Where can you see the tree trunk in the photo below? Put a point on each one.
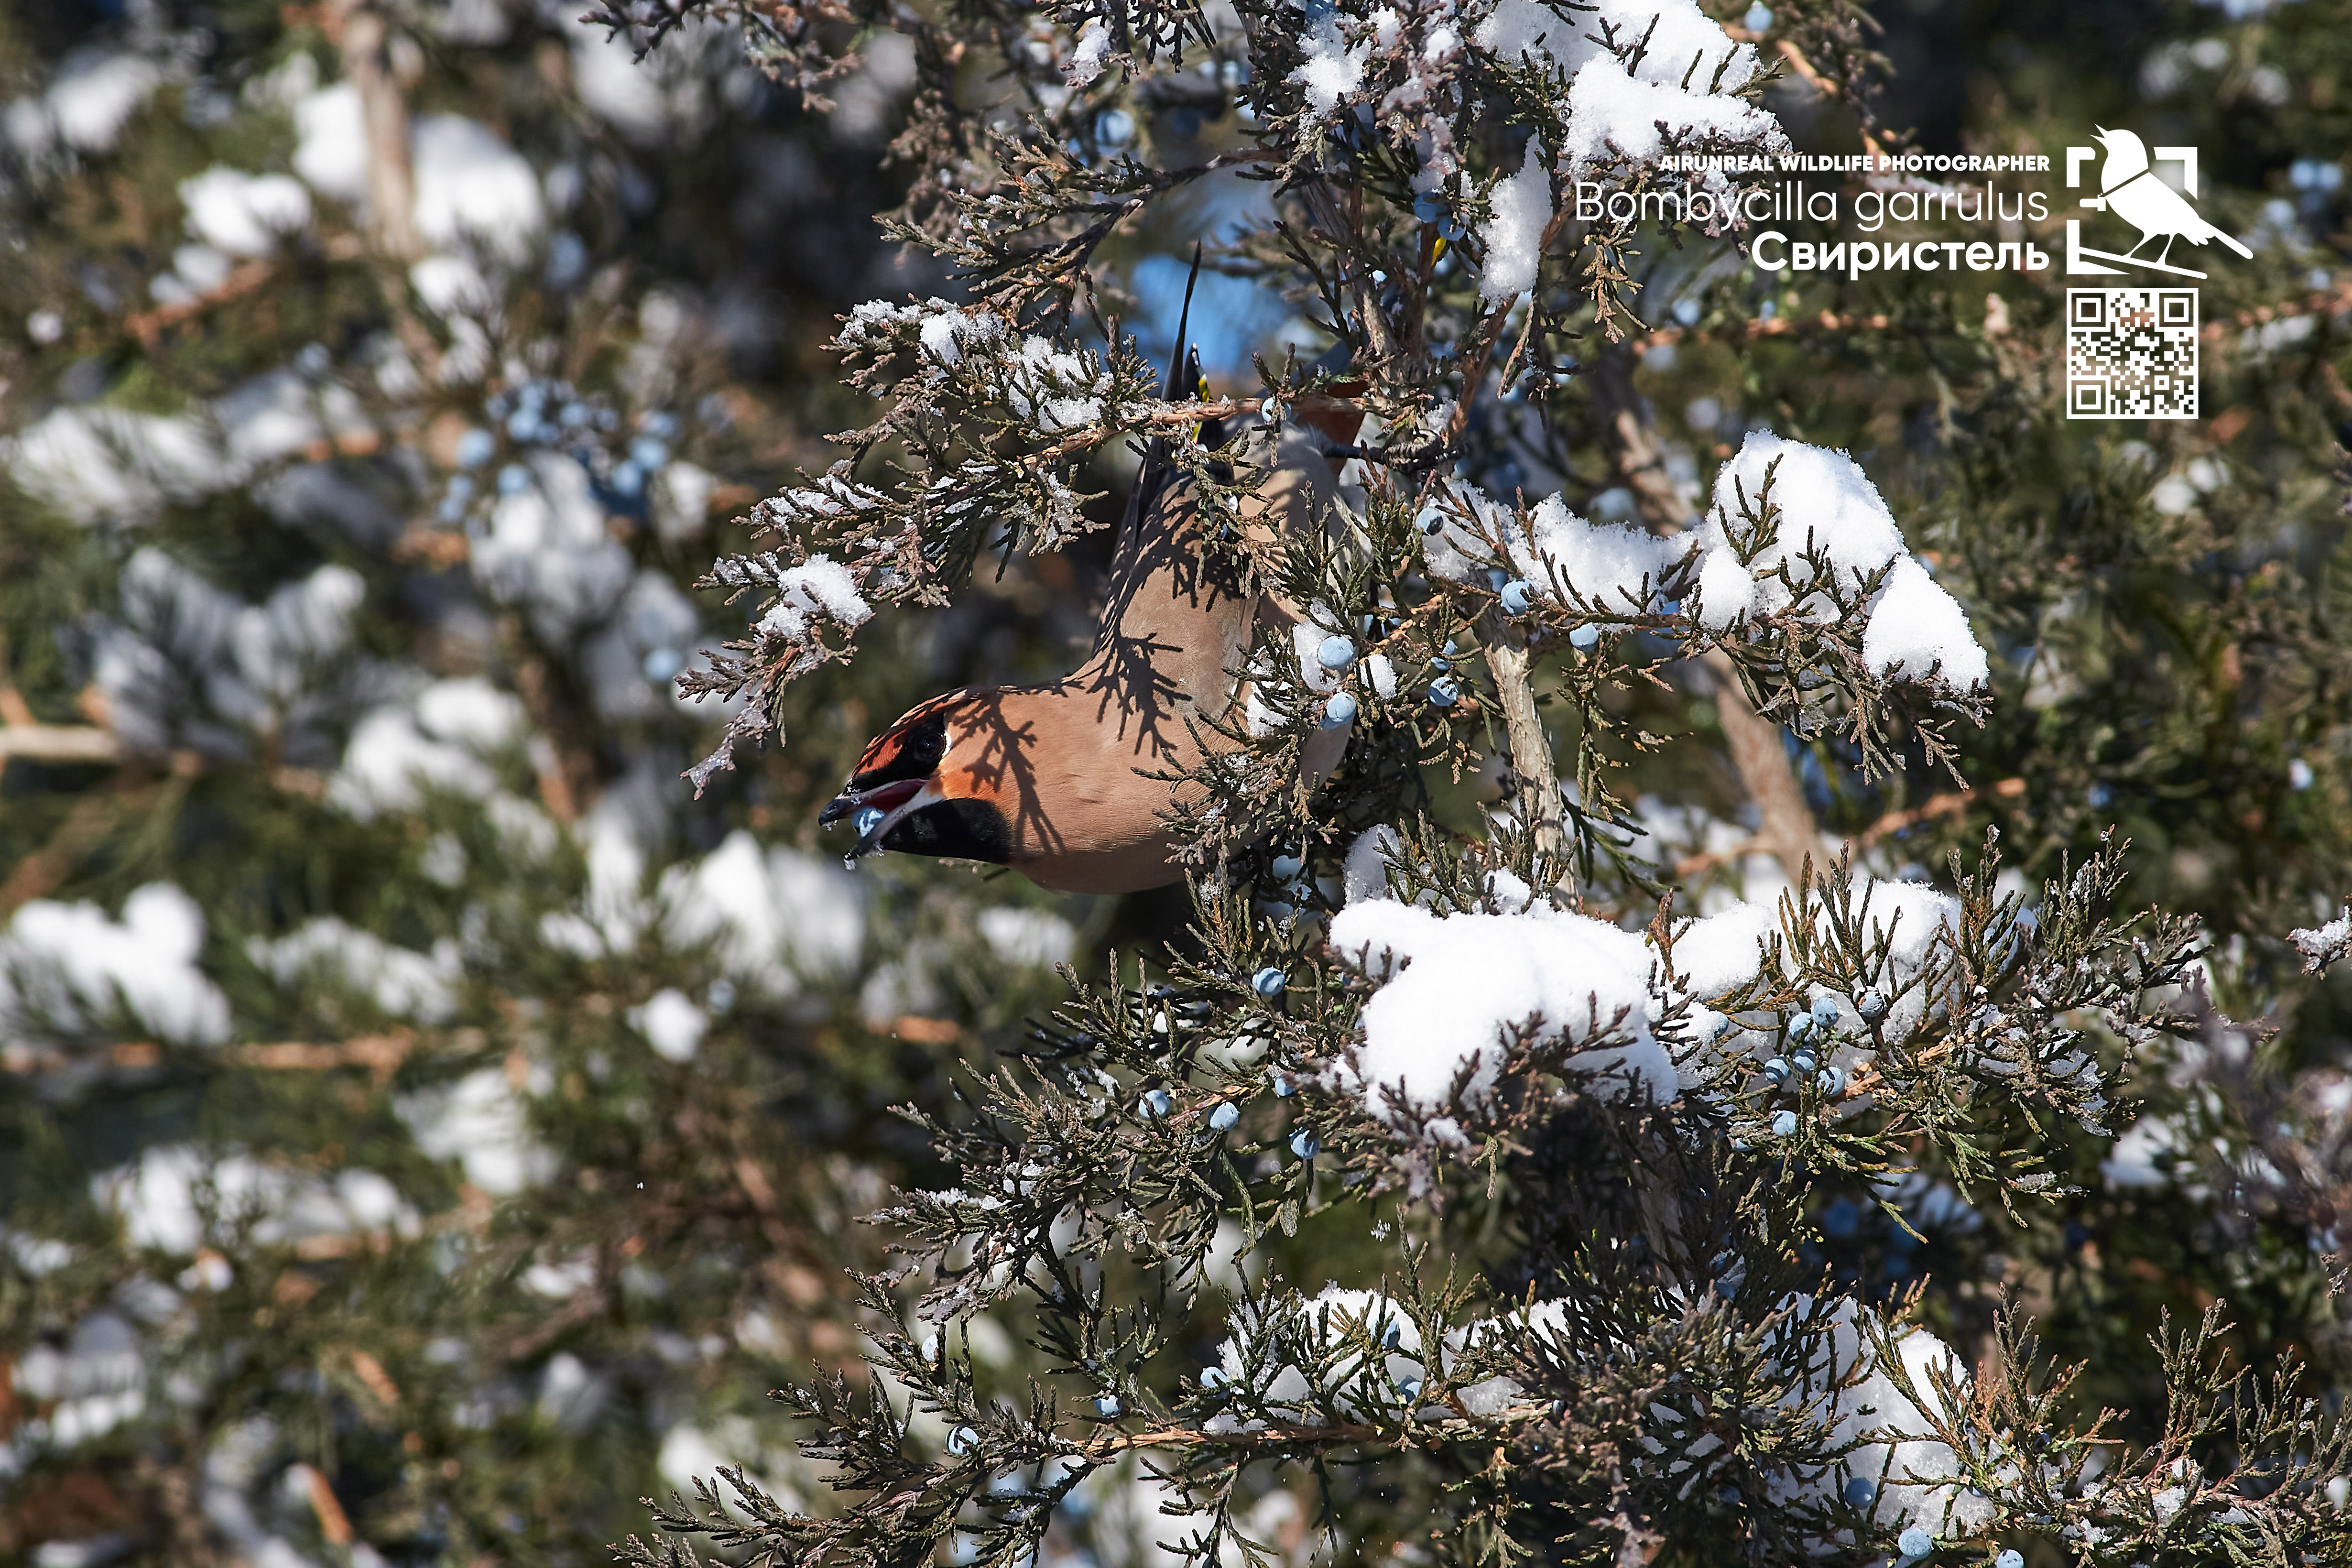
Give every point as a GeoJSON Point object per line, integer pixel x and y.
{"type": "Point", "coordinates": [1785, 828]}
{"type": "Point", "coordinates": [1531, 759]}
{"type": "Point", "coordinates": [365, 37]}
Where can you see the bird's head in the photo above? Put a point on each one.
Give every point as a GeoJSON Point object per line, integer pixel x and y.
{"type": "Point", "coordinates": [908, 794]}
{"type": "Point", "coordinates": [2122, 144]}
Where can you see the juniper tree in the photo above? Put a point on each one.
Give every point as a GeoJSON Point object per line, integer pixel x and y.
{"type": "Point", "coordinates": [424, 1125]}
{"type": "Point", "coordinates": [1621, 1129]}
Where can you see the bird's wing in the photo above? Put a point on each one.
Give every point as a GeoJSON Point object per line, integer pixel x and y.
{"type": "Point", "coordinates": [1298, 495]}
{"type": "Point", "coordinates": [1068, 766]}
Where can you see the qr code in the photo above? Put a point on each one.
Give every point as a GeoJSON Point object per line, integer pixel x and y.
{"type": "Point", "coordinates": [2131, 354]}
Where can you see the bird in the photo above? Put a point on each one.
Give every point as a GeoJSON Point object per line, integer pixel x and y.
{"type": "Point", "coordinates": [2130, 190]}
{"type": "Point", "coordinates": [1053, 780]}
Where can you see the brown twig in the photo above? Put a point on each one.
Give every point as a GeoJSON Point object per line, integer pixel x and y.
{"type": "Point", "coordinates": [148, 326]}
{"type": "Point", "coordinates": [1818, 83]}
{"type": "Point", "coordinates": [1935, 806]}
{"type": "Point", "coordinates": [57, 742]}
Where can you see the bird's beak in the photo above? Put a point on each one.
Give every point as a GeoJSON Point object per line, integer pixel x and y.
{"type": "Point", "coordinates": [878, 810]}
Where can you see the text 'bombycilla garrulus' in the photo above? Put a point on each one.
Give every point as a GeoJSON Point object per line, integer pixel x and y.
{"type": "Point", "coordinates": [1051, 780]}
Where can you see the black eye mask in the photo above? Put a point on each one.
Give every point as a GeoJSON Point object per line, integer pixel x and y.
{"type": "Point", "coordinates": [920, 747]}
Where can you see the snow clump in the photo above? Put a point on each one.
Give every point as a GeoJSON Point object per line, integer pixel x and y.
{"type": "Point", "coordinates": [1826, 506]}
{"type": "Point", "coordinates": [1914, 1475]}
{"type": "Point", "coordinates": [2323, 945]}
{"type": "Point", "coordinates": [68, 966]}
{"type": "Point", "coordinates": [242, 214]}
{"type": "Point", "coordinates": [1271, 1338]}
{"type": "Point", "coordinates": [817, 586]}
{"type": "Point", "coordinates": [1514, 235]}
{"type": "Point", "coordinates": [401, 982]}
{"type": "Point", "coordinates": [1687, 73]}
{"type": "Point", "coordinates": [1610, 113]}
{"type": "Point", "coordinates": [1612, 567]}
{"type": "Point", "coordinates": [1455, 987]}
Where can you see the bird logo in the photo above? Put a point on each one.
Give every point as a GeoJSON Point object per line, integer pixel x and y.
{"type": "Point", "coordinates": [2129, 189]}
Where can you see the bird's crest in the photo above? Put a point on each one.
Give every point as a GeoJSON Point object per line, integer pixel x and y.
{"type": "Point", "coordinates": [1185, 381]}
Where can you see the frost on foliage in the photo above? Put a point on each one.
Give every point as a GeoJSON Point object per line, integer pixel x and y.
{"type": "Point", "coordinates": [1055, 388]}
{"type": "Point", "coordinates": [401, 982]}
{"type": "Point", "coordinates": [944, 330]}
{"type": "Point", "coordinates": [1844, 1374]}
{"type": "Point", "coordinates": [1826, 508]}
{"type": "Point", "coordinates": [67, 967]}
{"type": "Point", "coordinates": [793, 602]}
{"type": "Point", "coordinates": [1052, 388]}
{"type": "Point", "coordinates": [2323, 945]}
{"type": "Point", "coordinates": [942, 370]}
{"type": "Point", "coordinates": [1085, 61]}
{"type": "Point", "coordinates": [1455, 990]}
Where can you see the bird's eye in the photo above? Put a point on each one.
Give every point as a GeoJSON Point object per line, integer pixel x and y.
{"type": "Point", "coordinates": [912, 751]}
{"type": "Point", "coordinates": [926, 744]}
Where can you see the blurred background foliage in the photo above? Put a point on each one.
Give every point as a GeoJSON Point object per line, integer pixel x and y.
{"type": "Point", "coordinates": [428, 1129]}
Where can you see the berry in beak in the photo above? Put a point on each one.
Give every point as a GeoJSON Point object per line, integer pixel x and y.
{"type": "Point", "coordinates": [874, 812]}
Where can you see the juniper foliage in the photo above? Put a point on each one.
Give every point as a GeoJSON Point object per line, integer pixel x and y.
{"type": "Point", "coordinates": [1611, 1312]}
{"type": "Point", "coordinates": [422, 1127]}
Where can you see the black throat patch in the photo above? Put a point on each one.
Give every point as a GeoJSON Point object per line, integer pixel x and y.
{"type": "Point", "coordinates": [954, 830]}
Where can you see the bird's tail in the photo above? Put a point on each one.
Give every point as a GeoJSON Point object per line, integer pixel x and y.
{"type": "Point", "coordinates": [2232, 242]}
